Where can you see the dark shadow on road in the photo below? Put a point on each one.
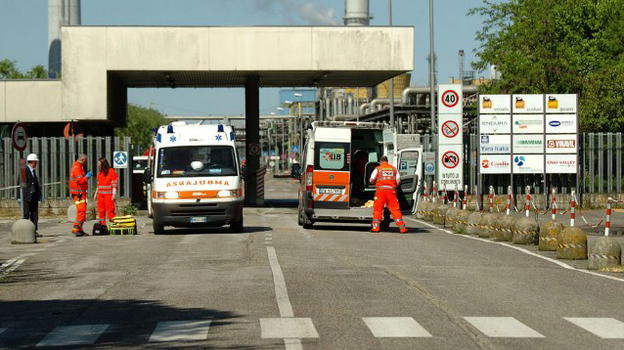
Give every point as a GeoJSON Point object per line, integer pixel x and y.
{"type": "Point", "coordinates": [131, 322]}
{"type": "Point", "coordinates": [34, 273]}
{"type": "Point", "coordinates": [213, 230]}
{"type": "Point", "coordinates": [280, 203]}
{"type": "Point", "coordinates": [361, 228]}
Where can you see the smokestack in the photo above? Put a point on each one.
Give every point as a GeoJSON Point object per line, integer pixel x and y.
{"type": "Point", "coordinates": [357, 13]}
{"type": "Point", "coordinates": [60, 13]}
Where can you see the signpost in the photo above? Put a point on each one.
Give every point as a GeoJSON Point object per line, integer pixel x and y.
{"type": "Point", "coordinates": [19, 138]}
{"type": "Point", "coordinates": [120, 160]}
{"type": "Point", "coordinates": [429, 159]}
{"type": "Point", "coordinates": [450, 136]}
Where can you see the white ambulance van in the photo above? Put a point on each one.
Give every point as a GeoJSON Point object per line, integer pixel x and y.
{"type": "Point", "coordinates": [195, 178]}
{"type": "Point", "coordinates": [337, 161]}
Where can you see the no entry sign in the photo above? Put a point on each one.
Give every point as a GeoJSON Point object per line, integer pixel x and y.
{"type": "Point", "coordinates": [450, 166]}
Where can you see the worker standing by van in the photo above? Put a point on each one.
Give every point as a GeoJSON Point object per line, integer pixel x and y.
{"type": "Point", "coordinates": [78, 184]}
{"type": "Point", "coordinates": [386, 179]}
{"type": "Point", "coordinates": [106, 191]}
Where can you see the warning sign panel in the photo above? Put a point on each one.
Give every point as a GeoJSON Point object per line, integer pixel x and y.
{"type": "Point", "coordinates": [450, 166]}
{"type": "Point", "coordinates": [450, 129]}
{"type": "Point", "coordinates": [450, 99]}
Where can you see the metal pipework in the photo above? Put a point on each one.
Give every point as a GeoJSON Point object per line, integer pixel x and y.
{"type": "Point", "coordinates": [357, 13]}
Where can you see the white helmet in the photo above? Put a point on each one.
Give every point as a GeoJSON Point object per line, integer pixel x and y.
{"type": "Point", "coordinates": [32, 158]}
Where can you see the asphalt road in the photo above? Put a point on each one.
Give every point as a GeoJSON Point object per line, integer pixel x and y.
{"type": "Point", "coordinates": [280, 286]}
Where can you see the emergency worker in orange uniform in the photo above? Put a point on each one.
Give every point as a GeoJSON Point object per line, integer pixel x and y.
{"type": "Point", "coordinates": [386, 179]}
{"type": "Point", "coordinates": [78, 185]}
{"type": "Point", "coordinates": [106, 191]}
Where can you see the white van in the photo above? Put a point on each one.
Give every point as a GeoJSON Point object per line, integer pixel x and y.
{"type": "Point", "coordinates": [195, 178]}
{"type": "Point", "coordinates": [337, 162]}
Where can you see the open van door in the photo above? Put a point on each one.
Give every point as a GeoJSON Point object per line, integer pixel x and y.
{"type": "Point", "coordinates": [409, 164]}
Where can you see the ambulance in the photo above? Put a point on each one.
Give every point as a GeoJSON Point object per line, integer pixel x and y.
{"type": "Point", "coordinates": [195, 178]}
{"type": "Point", "coordinates": [337, 161]}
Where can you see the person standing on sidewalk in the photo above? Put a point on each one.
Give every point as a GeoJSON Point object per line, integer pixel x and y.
{"type": "Point", "coordinates": [106, 191]}
{"type": "Point", "coordinates": [78, 185]}
{"type": "Point", "coordinates": [32, 191]}
{"type": "Point", "coordinates": [386, 179]}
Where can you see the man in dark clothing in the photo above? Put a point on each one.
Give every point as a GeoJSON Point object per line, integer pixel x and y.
{"type": "Point", "coordinates": [32, 190]}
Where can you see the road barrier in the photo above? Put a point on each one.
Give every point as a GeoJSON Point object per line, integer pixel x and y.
{"type": "Point", "coordinates": [572, 244]}
{"type": "Point", "coordinates": [474, 221]}
{"type": "Point", "coordinates": [461, 220]}
{"type": "Point", "coordinates": [439, 214]}
{"type": "Point", "coordinates": [549, 231]}
{"type": "Point", "coordinates": [504, 230]}
{"type": "Point", "coordinates": [525, 231]}
{"type": "Point", "coordinates": [606, 253]}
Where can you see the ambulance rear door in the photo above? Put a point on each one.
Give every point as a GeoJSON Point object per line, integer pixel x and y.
{"type": "Point", "coordinates": [409, 165]}
{"type": "Point", "coordinates": [331, 179]}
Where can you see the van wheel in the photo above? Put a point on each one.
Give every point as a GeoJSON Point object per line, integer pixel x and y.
{"type": "Point", "coordinates": [159, 229]}
{"type": "Point", "coordinates": [306, 222]}
{"type": "Point", "coordinates": [237, 227]}
{"type": "Point", "coordinates": [299, 217]}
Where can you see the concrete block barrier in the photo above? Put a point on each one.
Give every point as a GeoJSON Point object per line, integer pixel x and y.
{"type": "Point", "coordinates": [430, 208]}
{"type": "Point", "coordinates": [572, 244]}
{"type": "Point", "coordinates": [439, 214]}
{"type": "Point", "coordinates": [605, 253]}
{"type": "Point", "coordinates": [451, 216]}
{"type": "Point", "coordinates": [486, 225]}
{"type": "Point", "coordinates": [474, 222]}
{"type": "Point", "coordinates": [525, 231]}
{"type": "Point", "coordinates": [23, 232]}
{"type": "Point", "coordinates": [504, 228]}
{"type": "Point", "coordinates": [461, 220]}
{"type": "Point", "coordinates": [549, 231]}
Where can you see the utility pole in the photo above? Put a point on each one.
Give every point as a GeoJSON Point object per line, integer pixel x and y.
{"type": "Point", "coordinates": [391, 85]}
{"type": "Point", "coordinates": [432, 100]}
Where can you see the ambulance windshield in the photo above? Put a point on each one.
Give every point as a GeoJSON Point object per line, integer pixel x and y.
{"type": "Point", "coordinates": [197, 161]}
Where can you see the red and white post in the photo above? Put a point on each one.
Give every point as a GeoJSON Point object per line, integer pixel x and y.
{"type": "Point", "coordinates": [456, 198]}
{"type": "Point", "coordinates": [491, 199]}
{"type": "Point", "coordinates": [509, 197]}
{"type": "Point", "coordinates": [465, 199]}
{"type": "Point", "coordinates": [425, 189]}
{"type": "Point", "coordinates": [553, 205]}
{"type": "Point", "coordinates": [572, 209]}
{"type": "Point", "coordinates": [608, 222]}
{"type": "Point", "coordinates": [434, 192]}
{"type": "Point", "coordinates": [444, 195]}
{"type": "Point", "coordinates": [527, 204]}
{"type": "Point", "coordinates": [477, 198]}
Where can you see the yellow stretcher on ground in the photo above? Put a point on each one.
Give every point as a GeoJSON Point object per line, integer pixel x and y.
{"type": "Point", "coordinates": [123, 225]}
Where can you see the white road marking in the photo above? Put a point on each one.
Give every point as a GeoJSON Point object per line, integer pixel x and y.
{"type": "Point", "coordinates": [525, 251]}
{"type": "Point", "coordinates": [281, 293]}
{"type": "Point", "coordinates": [73, 335]}
{"type": "Point", "coordinates": [8, 263]}
{"type": "Point", "coordinates": [502, 327]}
{"type": "Point", "coordinates": [605, 328]}
{"type": "Point", "coordinates": [287, 328]}
{"type": "Point", "coordinates": [180, 331]}
{"type": "Point", "coordinates": [395, 327]}
{"type": "Point", "coordinates": [11, 267]}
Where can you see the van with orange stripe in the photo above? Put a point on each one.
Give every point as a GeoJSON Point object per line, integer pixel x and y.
{"type": "Point", "coordinates": [337, 161]}
{"type": "Point", "coordinates": [195, 177]}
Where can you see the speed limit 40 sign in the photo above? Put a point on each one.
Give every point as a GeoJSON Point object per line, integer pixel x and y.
{"type": "Point", "coordinates": [450, 99]}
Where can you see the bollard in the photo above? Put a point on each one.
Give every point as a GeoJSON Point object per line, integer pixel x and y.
{"type": "Point", "coordinates": [465, 199]}
{"type": "Point", "coordinates": [605, 253]}
{"type": "Point", "coordinates": [572, 244]}
{"type": "Point", "coordinates": [549, 231]}
{"type": "Point", "coordinates": [23, 232]}
{"type": "Point", "coordinates": [477, 198]}
{"type": "Point", "coordinates": [527, 204]}
{"type": "Point", "coordinates": [461, 220]}
{"type": "Point", "coordinates": [491, 199]}
{"type": "Point", "coordinates": [509, 200]}
{"type": "Point", "coordinates": [504, 228]}
{"type": "Point", "coordinates": [434, 192]}
{"type": "Point", "coordinates": [525, 231]}
{"type": "Point", "coordinates": [472, 226]}
{"type": "Point", "coordinates": [608, 221]}
{"type": "Point", "coordinates": [554, 205]}
{"type": "Point", "coordinates": [444, 195]}
{"type": "Point", "coordinates": [572, 209]}
{"type": "Point", "coordinates": [456, 198]}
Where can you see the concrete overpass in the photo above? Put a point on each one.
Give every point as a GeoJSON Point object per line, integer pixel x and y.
{"type": "Point", "coordinates": [99, 64]}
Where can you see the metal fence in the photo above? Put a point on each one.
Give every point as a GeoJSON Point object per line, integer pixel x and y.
{"type": "Point", "coordinates": [56, 156]}
{"type": "Point", "coordinates": [600, 155]}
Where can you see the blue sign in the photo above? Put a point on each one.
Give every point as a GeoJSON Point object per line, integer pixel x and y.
{"type": "Point", "coordinates": [120, 160]}
{"type": "Point", "coordinates": [429, 169]}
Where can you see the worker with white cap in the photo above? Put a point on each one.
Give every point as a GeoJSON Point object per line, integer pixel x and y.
{"type": "Point", "coordinates": [32, 190]}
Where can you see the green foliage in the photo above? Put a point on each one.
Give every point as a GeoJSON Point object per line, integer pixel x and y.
{"type": "Point", "coordinates": [141, 121]}
{"type": "Point", "coordinates": [129, 210]}
{"type": "Point", "coordinates": [8, 70]}
{"type": "Point", "coordinates": [558, 46]}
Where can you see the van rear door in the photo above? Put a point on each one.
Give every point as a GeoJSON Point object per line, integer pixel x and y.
{"type": "Point", "coordinates": [331, 177]}
{"type": "Point", "coordinates": [409, 164]}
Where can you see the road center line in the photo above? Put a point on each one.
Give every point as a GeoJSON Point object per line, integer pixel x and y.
{"type": "Point", "coordinates": [525, 251]}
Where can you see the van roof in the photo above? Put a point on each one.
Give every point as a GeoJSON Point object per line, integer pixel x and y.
{"type": "Point", "coordinates": [186, 135]}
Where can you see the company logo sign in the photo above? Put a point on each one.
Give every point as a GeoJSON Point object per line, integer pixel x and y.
{"type": "Point", "coordinates": [528, 143]}
{"type": "Point", "coordinates": [495, 144]}
{"type": "Point", "coordinates": [519, 160]}
{"type": "Point", "coordinates": [528, 164]}
{"type": "Point", "coordinates": [561, 163]}
{"type": "Point", "coordinates": [524, 124]}
{"type": "Point", "coordinates": [561, 144]}
{"type": "Point", "coordinates": [495, 164]}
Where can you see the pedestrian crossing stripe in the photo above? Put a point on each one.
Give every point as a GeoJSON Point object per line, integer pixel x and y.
{"type": "Point", "coordinates": [502, 327]}
{"type": "Point", "coordinates": [395, 327]}
{"type": "Point", "coordinates": [180, 331]}
{"type": "Point", "coordinates": [73, 335]}
{"type": "Point", "coordinates": [605, 328]}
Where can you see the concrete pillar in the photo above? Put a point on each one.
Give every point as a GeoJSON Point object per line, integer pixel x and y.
{"type": "Point", "coordinates": [252, 138]}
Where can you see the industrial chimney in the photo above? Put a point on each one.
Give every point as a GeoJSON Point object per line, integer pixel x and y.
{"type": "Point", "coordinates": [60, 13]}
{"type": "Point", "coordinates": [356, 13]}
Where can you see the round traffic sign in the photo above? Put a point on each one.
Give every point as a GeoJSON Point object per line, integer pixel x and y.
{"type": "Point", "coordinates": [450, 128]}
{"type": "Point", "coordinates": [254, 149]}
{"type": "Point", "coordinates": [450, 98]}
{"type": "Point", "coordinates": [450, 159]}
{"type": "Point", "coordinates": [19, 137]}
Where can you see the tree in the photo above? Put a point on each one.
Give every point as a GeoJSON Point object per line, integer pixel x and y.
{"type": "Point", "coordinates": [558, 46]}
{"type": "Point", "coordinates": [141, 121]}
{"type": "Point", "coordinates": [8, 70]}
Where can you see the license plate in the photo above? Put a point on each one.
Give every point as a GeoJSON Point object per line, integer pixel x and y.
{"type": "Point", "coordinates": [330, 190]}
{"type": "Point", "coordinates": [198, 219]}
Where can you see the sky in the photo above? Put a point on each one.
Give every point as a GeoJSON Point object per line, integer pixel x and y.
{"type": "Point", "coordinates": [24, 37]}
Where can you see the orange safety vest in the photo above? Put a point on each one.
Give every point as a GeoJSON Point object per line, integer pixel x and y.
{"type": "Point", "coordinates": [108, 182]}
{"type": "Point", "coordinates": [78, 182]}
{"type": "Point", "coordinates": [386, 176]}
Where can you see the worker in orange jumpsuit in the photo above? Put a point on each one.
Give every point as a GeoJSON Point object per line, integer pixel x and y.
{"type": "Point", "coordinates": [106, 191]}
{"type": "Point", "coordinates": [386, 179]}
{"type": "Point", "coordinates": [78, 185]}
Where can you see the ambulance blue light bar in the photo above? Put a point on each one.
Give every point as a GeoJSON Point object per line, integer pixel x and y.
{"type": "Point", "coordinates": [220, 128]}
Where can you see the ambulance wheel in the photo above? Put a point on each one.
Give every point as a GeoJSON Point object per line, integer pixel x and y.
{"type": "Point", "coordinates": [237, 227]}
{"type": "Point", "coordinates": [158, 228]}
{"type": "Point", "coordinates": [306, 222]}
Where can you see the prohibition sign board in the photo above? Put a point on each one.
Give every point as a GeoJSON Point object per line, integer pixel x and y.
{"type": "Point", "coordinates": [450, 128]}
{"type": "Point", "coordinates": [450, 98]}
{"type": "Point", "coordinates": [450, 159]}
{"type": "Point", "coordinates": [19, 137]}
